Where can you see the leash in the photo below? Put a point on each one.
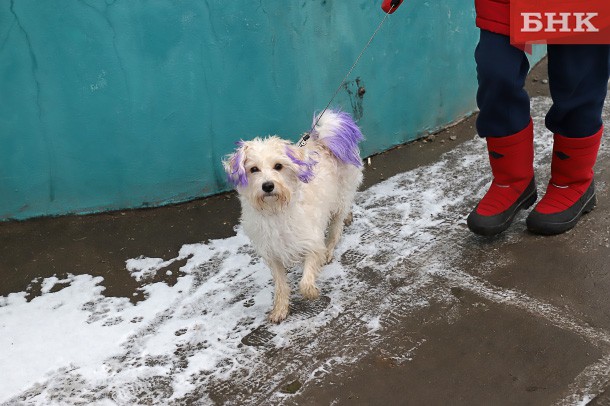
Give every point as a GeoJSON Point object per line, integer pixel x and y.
{"type": "Point", "coordinates": [392, 7]}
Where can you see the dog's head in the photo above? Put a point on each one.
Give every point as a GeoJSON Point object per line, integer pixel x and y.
{"type": "Point", "coordinates": [267, 172]}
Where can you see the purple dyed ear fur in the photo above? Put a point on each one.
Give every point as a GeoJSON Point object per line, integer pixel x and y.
{"type": "Point", "coordinates": [341, 136]}
{"type": "Point", "coordinates": [305, 172]}
{"type": "Point", "coordinates": [234, 167]}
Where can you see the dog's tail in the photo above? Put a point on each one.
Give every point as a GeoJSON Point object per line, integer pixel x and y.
{"type": "Point", "coordinates": [340, 134]}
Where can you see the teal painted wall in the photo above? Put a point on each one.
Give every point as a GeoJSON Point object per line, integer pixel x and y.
{"type": "Point", "coordinates": [130, 103]}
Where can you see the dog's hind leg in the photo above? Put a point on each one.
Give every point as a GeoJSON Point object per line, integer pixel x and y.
{"type": "Point", "coordinates": [335, 230]}
{"type": "Point", "coordinates": [281, 297]}
{"type": "Point", "coordinates": [311, 270]}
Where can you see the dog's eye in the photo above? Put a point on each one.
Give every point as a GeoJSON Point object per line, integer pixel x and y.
{"type": "Point", "coordinates": [254, 169]}
{"type": "Point", "coordinates": [278, 167]}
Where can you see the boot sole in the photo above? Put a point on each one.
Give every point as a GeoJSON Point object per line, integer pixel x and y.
{"type": "Point", "coordinates": [499, 223]}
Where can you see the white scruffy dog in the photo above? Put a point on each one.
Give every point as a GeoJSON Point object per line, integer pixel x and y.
{"type": "Point", "coordinates": [296, 200]}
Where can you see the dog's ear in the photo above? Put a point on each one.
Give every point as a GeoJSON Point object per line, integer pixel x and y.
{"type": "Point", "coordinates": [234, 165]}
{"type": "Point", "coordinates": [303, 164]}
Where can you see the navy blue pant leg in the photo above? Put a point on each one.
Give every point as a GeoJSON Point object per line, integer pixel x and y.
{"type": "Point", "coordinates": [504, 107]}
{"type": "Point", "coordinates": [578, 80]}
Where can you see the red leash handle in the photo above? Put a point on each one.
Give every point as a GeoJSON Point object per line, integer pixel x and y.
{"type": "Point", "coordinates": [390, 6]}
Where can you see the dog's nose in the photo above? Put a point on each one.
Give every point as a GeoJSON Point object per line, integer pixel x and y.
{"type": "Point", "coordinates": [268, 187]}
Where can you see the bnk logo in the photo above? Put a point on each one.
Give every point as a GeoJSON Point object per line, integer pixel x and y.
{"type": "Point", "coordinates": [560, 21]}
{"type": "Point", "coordinates": [563, 22]}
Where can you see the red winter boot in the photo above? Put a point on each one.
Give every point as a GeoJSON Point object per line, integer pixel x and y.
{"type": "Point", "coordinates": [513, 187]}
{"type": "Point", "coordinates": [571, 190]}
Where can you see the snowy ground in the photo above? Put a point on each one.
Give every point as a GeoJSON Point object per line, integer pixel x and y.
{"type": "Point", "coordinates": [206, 338]}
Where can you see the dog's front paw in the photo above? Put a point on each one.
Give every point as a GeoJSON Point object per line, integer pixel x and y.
{"type": "Point", "coordinates": [278, 314]}
{"type": "Point", "coordinates": [309, 291]}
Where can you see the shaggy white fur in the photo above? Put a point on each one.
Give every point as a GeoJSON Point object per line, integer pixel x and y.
{"type": "Point", "coordinates": [295, 201]}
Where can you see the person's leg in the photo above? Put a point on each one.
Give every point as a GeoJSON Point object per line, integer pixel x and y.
{"type": "Point", "coordinates": [578, 79]}
{"type": "Point", "coordinates": [504, 121]}
{"type": "Point", "coordinates": [504, 106]}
